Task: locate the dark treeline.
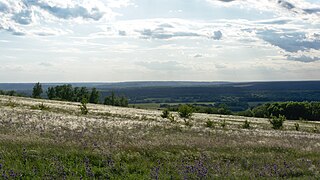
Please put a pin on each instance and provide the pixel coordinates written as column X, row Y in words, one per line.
column 291, row 110
column 115, row 100
column 11, row 93
column 76, row 94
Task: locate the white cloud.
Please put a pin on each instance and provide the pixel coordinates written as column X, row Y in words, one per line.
column 284, row 8
column 19, row 16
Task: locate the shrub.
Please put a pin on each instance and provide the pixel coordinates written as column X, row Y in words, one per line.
column 246, row 124
column 40, row 107
column 223, row 123
column 277, row 122
column 83, row 107
column 165, row 113
column 185, row 111
column 209, row 124
column 297, row 126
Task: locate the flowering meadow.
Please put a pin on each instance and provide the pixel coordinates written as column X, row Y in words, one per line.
column 46, row 139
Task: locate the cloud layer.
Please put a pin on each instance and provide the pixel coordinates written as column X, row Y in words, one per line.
column 176, row 40
column 17, row 15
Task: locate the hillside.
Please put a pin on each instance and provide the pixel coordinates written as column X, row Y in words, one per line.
column 51, row 139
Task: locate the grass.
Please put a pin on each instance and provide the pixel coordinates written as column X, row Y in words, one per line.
column 123, row 143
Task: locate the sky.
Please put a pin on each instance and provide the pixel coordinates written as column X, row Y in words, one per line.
column 159, row 40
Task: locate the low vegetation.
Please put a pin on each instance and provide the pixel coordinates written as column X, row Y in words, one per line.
column 185, row 111
column 83, row 107
column 246, row 124
column 209, row 124
column 277, row 122
column 126, row 143
column 114, row 100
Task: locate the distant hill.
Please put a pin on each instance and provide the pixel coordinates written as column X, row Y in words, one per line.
column 237, row 95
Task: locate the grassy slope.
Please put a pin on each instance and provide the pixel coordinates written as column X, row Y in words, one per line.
column 124, row 143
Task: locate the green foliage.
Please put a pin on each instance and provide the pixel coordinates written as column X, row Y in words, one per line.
column 247, row 113
column 297, row 126
column 165, row 113
column 315, row 129
column 209, row 123
column 223, row 123
column 67, row 93
column 277, row 122
column 114, row 100
column 37, row 90
column 185, row 111
column 12, row 93
column 246, row 124
column 83, row 107
column 291, row 110
column 94, row 96
column 51, row 93
column 223, row 109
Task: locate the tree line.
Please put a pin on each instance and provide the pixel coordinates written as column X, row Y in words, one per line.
column 290, row 110
column 11, row 93
column 78, row 94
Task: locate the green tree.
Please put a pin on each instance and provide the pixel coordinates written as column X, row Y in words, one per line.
column 113, row 99
column 37, row 90
column 83, row 93
column 107, row 101
column 277, row 122
column 124, row 101
column 83, row 106
column 51, row 93
column 185, row 111
column 94, row 96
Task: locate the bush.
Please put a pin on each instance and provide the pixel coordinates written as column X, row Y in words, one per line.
column 277, row 122
column 165, row 113
column 209, row 124
column 40, row 107
column 83, row 107
column 185, row 111
column 246, row 124
column 223, row 123
column 297, row 126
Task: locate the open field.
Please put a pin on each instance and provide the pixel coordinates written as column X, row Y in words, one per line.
column 55, row 141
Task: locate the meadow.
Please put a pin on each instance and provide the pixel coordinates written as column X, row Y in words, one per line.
column 46, row 139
